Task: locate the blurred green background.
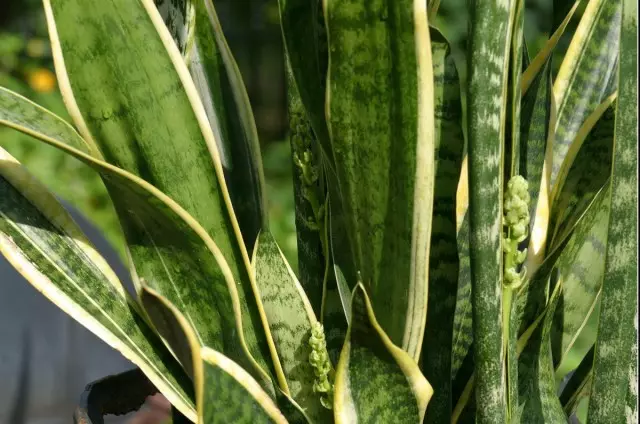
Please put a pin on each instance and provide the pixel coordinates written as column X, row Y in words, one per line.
column 253, row 33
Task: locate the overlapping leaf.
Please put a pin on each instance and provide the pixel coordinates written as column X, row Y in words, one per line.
column 375, row 380
column 224, row 97
column 380, row 117
column 156, row 128
column 225, row 392
column 443, row 281
column 39, row 238
column 305, row 39
column 583, row 80
column 172, row 253
column 536, row 373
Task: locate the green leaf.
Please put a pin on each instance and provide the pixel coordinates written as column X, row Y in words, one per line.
column 39, row 238
column 305, row 40
column 463, row 320
column 531, row 298
column 375, row 380
column 533, row 69
column 618, row 325
column 586, row 168
column 581, row 265
column 583, row 79
column 534, row 133
column 175, row 255
column 578, row 386
column 307, row 196
column 224, row 96
column 156, row 128
column 380, row 115
column 20, row 113
column 537, row 375
column 489, row 47
column 536, row 147
column 291, row 320
column 178, row 16
column 515, row 91
column 443, row 282
column 225, row 392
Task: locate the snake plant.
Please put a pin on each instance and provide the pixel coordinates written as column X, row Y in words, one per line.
column 455, row 243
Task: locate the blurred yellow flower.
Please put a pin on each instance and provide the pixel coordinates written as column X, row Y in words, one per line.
column 42, row 80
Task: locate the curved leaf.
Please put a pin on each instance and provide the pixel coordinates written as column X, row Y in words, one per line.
column 583, row 79
column 375, row 380
column 586, row 168
column 307, row 192
column 39, row 238
column 536, row 373
column 618, row 312
column 578, row 386
column 380, row 117
column 224, row 96
column 175, row 256
column 157, row 129
column 225, row 392
column 291, row 320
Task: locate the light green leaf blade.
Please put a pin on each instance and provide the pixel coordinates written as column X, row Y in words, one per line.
column 224, row 96
column 618, row 325
column 489, row 47
column 583, row 80
column 225, row 392
column 380, row 115
column 443, row 282
column 375, row 380
column 305, row 40
column 291, row 320
column 156, row 128
column 39, row 238
column 537, row 375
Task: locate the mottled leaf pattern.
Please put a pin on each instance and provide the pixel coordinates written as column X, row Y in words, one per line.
column 443, row 281
column 224, row 97
column 291, row 319
column 380, row 116
column 155, row 128
column 617, row 327
column 39, row 238
column 583, row 79
column 537, row 374
column 305, row 40
column 375, row 380
column 489, row 46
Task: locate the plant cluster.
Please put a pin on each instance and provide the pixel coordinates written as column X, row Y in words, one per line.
column 453, row 242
